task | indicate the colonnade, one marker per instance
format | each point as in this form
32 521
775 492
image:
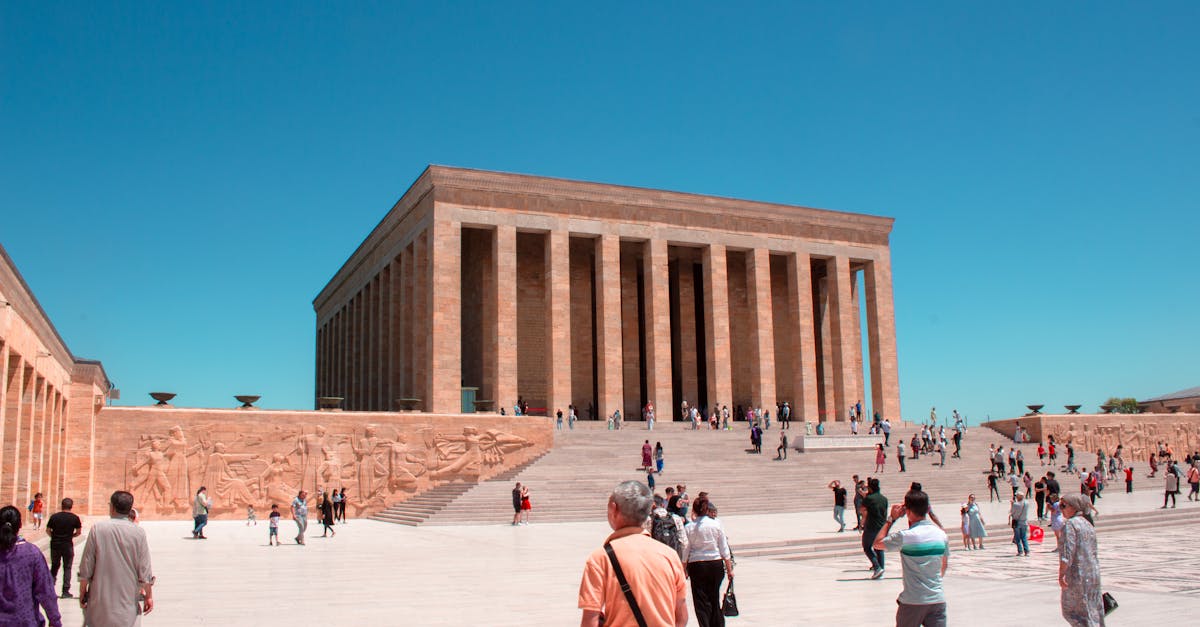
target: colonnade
606 321
32 443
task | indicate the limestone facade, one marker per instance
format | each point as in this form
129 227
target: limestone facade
607 297
49 400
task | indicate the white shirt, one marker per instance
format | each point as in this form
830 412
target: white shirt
706 541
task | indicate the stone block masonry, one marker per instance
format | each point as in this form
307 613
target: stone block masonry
571 293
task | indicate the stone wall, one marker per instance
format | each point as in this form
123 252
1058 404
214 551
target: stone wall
257 457
1138 433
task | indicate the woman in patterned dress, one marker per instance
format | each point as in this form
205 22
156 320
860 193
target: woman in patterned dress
1079 564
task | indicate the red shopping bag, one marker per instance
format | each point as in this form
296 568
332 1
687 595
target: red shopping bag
1036 533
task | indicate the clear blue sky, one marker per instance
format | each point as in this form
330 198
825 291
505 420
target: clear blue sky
179 180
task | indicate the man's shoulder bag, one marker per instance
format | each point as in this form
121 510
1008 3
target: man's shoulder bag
637 612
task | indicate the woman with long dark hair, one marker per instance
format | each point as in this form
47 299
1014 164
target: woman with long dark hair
708 560
25 581
327 509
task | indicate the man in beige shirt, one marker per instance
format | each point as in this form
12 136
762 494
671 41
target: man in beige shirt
116 589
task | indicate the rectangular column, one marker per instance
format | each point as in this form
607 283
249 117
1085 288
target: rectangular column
395 307
39 462
445 313
716 327
881 332
658 328
50 473
804 406
28 427
608 327
558 320
856 344
422 310
758 291
504 338
841 335
408 267
12 431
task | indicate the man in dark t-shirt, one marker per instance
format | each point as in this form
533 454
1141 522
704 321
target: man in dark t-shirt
839 503
63 528
1052 486
876 506
517 504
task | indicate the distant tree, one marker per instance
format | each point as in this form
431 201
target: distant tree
1123 405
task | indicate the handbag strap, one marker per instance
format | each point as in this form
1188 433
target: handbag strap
637 612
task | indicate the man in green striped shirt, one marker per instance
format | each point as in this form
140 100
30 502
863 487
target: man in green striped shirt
924 555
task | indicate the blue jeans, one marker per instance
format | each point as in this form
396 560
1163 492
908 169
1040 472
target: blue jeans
1021 537
201 521
839 513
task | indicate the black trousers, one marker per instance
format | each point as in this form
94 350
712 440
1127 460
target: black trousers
868 545
64 556
706 580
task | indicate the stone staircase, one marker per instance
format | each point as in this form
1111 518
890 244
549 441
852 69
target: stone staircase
571 482
418 508
849 543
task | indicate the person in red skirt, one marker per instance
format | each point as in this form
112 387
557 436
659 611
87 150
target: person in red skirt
525 506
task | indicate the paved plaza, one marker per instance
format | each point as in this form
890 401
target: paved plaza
383 574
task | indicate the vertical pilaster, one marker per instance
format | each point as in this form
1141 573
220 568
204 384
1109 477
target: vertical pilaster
608 327
804 406
558 319
716 327
881 329
841 335
658 327
445 314
758 291
504 249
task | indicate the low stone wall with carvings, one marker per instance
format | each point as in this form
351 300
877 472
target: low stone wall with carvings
260 457
1139 434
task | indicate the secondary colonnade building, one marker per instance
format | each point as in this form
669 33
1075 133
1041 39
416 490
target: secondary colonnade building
606 297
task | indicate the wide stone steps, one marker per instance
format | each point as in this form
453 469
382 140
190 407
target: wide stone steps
420 507
850 542
572 481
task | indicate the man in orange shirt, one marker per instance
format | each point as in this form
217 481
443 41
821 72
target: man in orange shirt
651 568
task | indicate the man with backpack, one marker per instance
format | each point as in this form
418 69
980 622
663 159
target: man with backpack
668 528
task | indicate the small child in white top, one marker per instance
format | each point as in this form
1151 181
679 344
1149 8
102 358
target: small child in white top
251 517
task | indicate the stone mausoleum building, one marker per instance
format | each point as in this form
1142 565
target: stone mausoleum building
564 292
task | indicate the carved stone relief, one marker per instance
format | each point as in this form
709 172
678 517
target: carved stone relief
377 465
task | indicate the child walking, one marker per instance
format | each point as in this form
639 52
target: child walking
251 517
273 523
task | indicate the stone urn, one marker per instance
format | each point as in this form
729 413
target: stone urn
330 403
1034 409
247 400
162 398
1072 409
1107 408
